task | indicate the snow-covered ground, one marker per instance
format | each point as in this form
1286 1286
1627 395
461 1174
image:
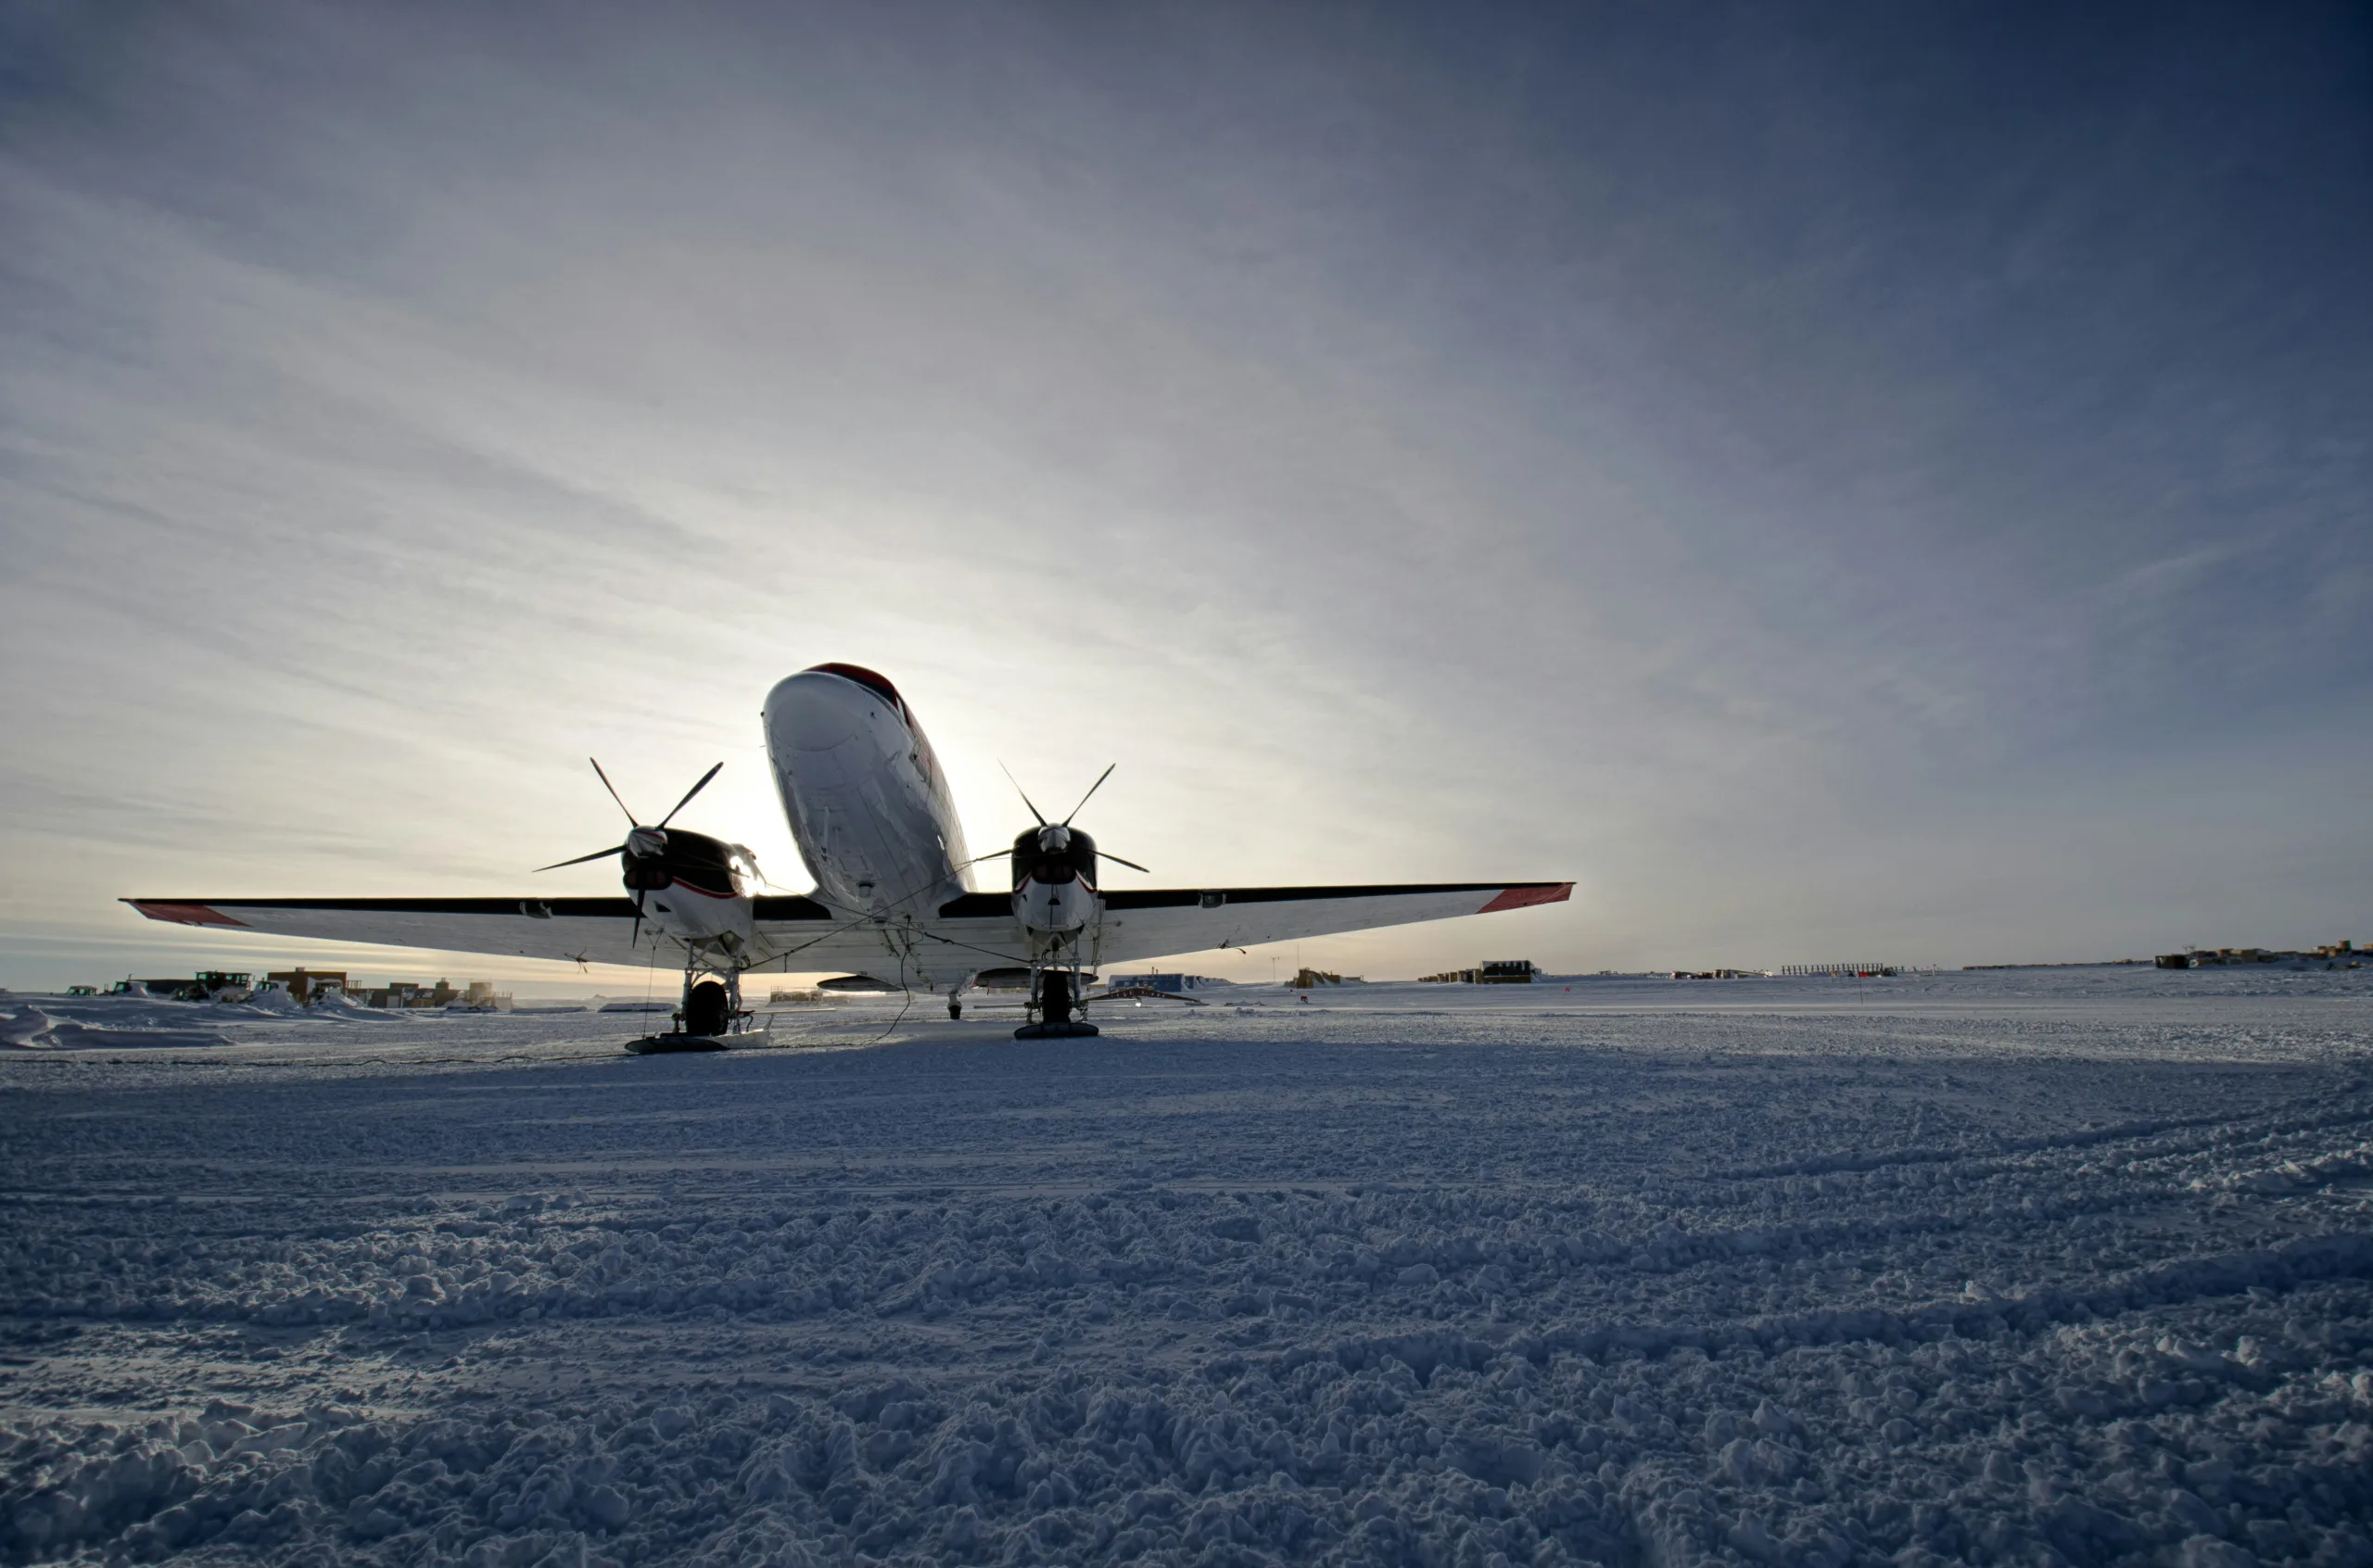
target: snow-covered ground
2019 1267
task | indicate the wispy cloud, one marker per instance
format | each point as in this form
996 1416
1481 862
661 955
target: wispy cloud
1817 485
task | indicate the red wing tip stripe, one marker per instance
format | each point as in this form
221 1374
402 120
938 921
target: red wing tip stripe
1525 898
182 914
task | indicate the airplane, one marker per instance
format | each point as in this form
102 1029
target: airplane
871 812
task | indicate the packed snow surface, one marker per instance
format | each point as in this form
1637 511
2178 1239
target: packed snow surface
2027 1266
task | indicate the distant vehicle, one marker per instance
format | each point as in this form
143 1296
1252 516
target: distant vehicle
207 985
872 814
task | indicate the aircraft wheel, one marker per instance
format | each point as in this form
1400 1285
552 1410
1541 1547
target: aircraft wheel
706 1011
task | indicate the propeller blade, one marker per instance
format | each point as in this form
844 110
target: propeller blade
689 793
614 791
993 854
597 855
1091 790
1108 854
636 940
1022 792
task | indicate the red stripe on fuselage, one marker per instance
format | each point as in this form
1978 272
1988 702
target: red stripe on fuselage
857 675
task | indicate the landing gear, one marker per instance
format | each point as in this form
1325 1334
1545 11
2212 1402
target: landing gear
955 1008
707 1010
709 1018
1053 997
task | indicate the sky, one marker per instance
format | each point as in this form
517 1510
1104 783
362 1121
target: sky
1839 481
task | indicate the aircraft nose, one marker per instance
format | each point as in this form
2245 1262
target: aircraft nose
812 711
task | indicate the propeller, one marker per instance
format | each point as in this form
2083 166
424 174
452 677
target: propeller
1060 829
642 844
1025 797
597 855
1091 792
715 768
1101 855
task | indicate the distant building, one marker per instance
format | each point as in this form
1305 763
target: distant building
1494 971
2211 958
1305 979
305 985
2331 954
411 993
480 996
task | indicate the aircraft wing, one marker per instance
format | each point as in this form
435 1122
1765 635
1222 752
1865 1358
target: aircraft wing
1155 923
799 935
795 934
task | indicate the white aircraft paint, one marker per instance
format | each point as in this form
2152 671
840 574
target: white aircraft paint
868 802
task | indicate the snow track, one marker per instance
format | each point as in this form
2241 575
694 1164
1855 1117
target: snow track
2003 1269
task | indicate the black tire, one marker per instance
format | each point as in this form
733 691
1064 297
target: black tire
706 1011
1055 997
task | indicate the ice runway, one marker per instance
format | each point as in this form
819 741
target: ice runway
2017 1268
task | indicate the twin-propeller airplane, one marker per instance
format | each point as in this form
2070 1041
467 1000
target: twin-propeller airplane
871 811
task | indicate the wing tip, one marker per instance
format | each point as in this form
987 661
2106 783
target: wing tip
182 912
1525 895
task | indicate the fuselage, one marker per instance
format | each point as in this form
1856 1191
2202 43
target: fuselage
868 803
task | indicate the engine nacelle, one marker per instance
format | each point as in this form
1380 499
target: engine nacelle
1053 879
694 888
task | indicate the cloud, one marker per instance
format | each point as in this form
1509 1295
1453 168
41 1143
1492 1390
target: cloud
1801 481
